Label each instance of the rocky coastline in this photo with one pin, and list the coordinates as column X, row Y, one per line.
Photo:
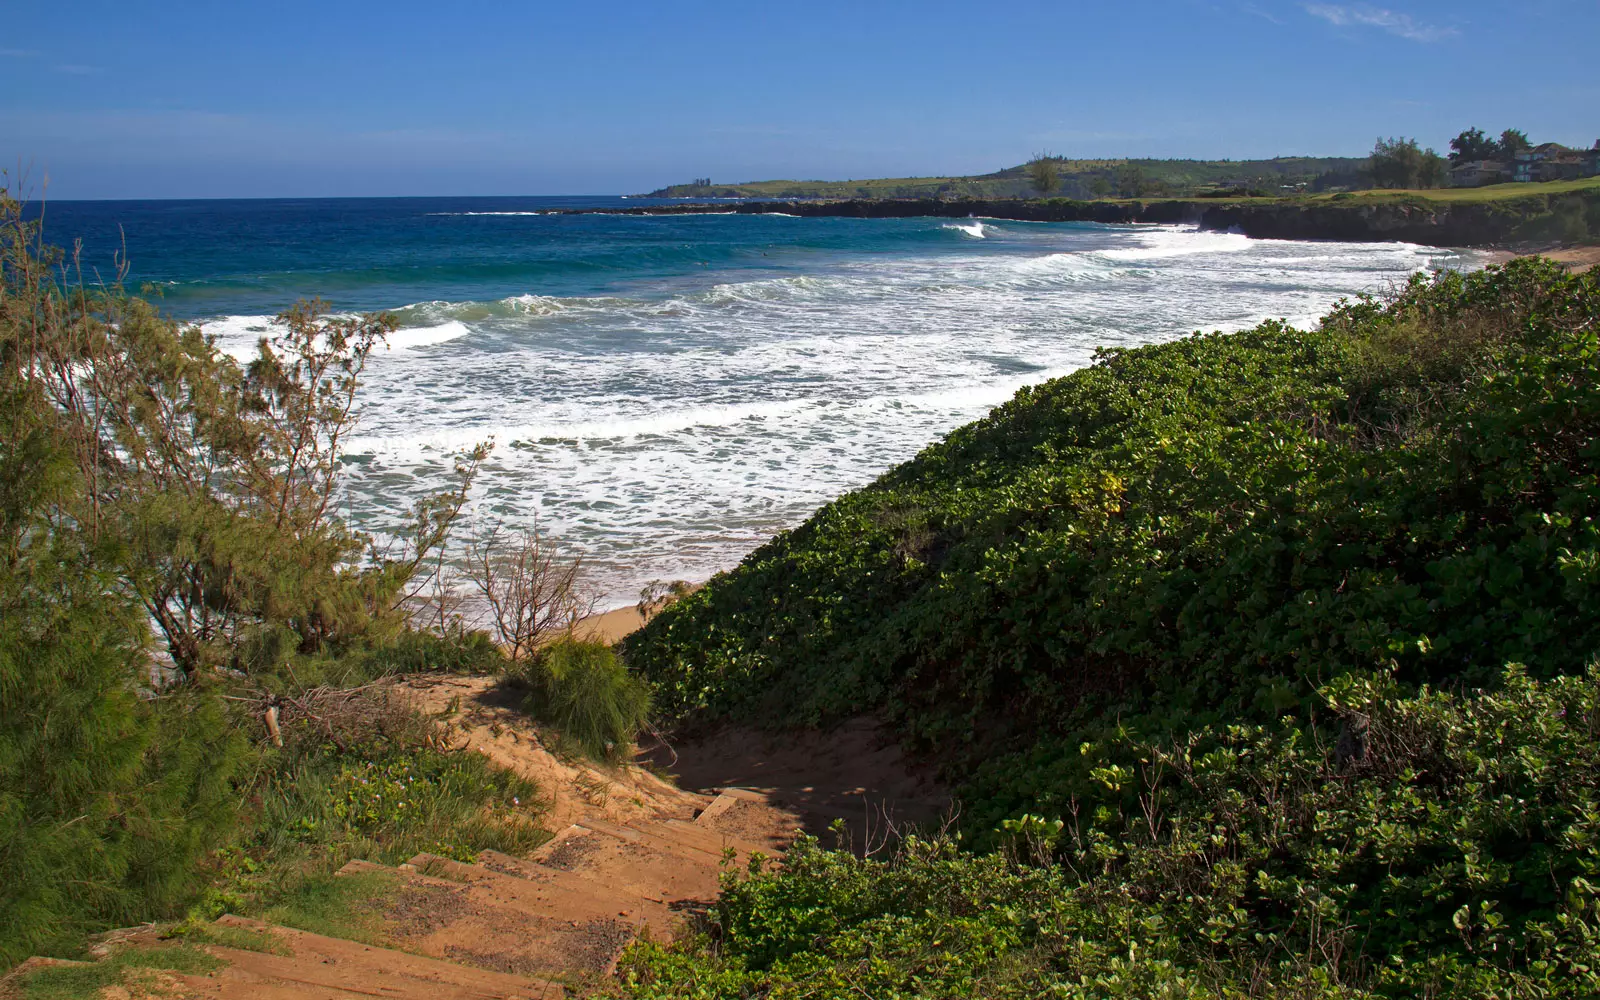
column 1504, row 223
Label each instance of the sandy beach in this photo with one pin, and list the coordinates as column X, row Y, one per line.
column 1577, row 259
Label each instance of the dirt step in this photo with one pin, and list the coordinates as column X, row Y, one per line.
column 331, row 967
column 507, row 924
column 707, row 838
column 654, row 873
column 634, row 835
column 751, row 817
column 706, row 847
column 545, row 886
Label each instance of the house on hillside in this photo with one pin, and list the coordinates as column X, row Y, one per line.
column 1477, row 173
column 1552, row 161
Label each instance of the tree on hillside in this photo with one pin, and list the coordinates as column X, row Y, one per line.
column 1401, row 163
column 1433, row 171
column 1512, row 142
column 108, row 800
column 1129, row 181
column 1473, row 145
column 1044, row 173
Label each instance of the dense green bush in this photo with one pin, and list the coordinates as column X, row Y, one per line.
column 1424, row 846
column 586, row 693
column 1188, row 534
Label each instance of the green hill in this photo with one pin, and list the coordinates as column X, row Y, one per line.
column 1079, row 179
column 1177, row 624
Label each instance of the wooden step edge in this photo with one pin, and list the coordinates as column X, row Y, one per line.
column 671, row 884
column 676, row 848
column 406, row 871
column 506, row 864
column 720, row 806
column 689, row 829
column 604, row 899
column 747, row 794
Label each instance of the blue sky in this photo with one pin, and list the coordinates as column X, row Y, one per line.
column 182, row 99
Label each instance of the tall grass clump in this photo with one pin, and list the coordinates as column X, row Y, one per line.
column 583, row 690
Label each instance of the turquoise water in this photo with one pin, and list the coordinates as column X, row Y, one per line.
column 666, row 392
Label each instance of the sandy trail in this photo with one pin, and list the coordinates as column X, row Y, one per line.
column 490, row 721
column 855, row 772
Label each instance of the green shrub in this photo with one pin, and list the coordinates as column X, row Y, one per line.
column 1433, row 845
column 416, row 651
column 1197, row 531
column 586, row 693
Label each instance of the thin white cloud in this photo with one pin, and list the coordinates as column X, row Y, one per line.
column 18, row 53
column 1364, row 16
column 1255, row 11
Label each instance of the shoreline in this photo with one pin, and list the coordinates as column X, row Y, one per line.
column 609, row 627
column 1508, row 223
column 1576, row 259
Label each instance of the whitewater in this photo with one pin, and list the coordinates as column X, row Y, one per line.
column 664, row 394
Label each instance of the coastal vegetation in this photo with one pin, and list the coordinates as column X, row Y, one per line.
column 1401, row 163
column 188, row 633
column 1264, row 663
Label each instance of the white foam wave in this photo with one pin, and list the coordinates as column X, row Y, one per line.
column 668, row 430
column 973, row 228
column 409, row 339
column 1164, row 243
column 238, row 336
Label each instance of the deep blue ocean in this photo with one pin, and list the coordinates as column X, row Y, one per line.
column 666, row 392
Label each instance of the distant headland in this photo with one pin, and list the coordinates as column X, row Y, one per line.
column 1508, row 215
column 1498, row 192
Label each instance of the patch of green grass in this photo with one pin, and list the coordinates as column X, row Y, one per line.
column 1491, row 192
column 311, row 808
column 227, row 936
column 342, row 906
column 84, row 982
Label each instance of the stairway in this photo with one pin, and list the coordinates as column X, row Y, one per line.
column 507, row 928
